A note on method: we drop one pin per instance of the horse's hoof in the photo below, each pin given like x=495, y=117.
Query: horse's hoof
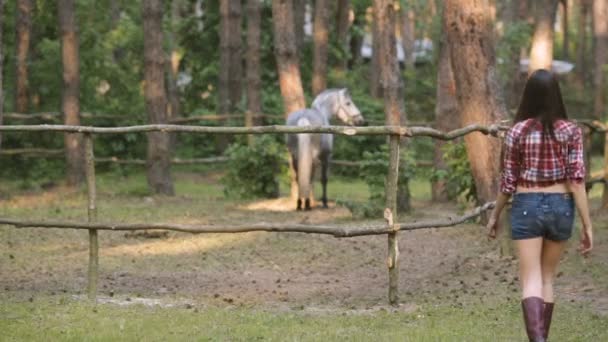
x=325, y=206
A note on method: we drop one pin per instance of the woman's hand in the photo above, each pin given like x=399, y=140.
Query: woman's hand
x=586, y=244
x=493, y=226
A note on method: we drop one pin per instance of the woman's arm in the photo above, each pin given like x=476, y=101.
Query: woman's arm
x=493, y=226
x=580, y=201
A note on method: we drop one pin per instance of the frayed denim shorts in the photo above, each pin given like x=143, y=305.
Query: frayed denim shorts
x=542, y=214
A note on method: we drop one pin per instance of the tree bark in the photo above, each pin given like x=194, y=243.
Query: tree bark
x=565, y=28
x=408, y=36
x=254, y=81
x=541, y=53
x=288, y=64
x=342, y=28
x=1, y=69
x=299, y=19
x=158, y=168
x=390, y=80
x=321, y=39
x=230, y=90
x=446, y=110
x=375, y=67
x=470, y=40
x=71, y=87
x=23, y=31
x=600, y=33
x=172, y=69
x=385, y=40
x=515, y=80
x=581, y=48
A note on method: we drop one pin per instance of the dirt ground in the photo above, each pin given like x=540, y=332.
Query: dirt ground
x=287, y=271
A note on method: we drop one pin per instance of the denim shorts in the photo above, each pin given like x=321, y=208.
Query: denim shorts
x=542, y=214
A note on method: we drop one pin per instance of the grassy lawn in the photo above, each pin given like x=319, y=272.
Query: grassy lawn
x=68, y=320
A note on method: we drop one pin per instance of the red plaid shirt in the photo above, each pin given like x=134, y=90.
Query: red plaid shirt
x=532, y=159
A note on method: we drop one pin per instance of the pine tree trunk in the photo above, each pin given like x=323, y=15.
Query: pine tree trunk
x=565, y=28
x=23, y=31
x=286, y=54
x=541, y=53
x=408, y=36
x=74, y=147
x=158, y=164
x=446, y=111
x=581, y=44
x=230, y=90
x=375, y=67
x=288, y=66
x=321, y=39
x=600, y=33
x=342, y=27
x=515, y=80
x=356, y=40
x=254, y=82
x=299, y=18
x=470, y=40
x=1, y=69
x=384, y=20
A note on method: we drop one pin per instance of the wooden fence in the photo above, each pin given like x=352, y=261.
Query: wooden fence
x=390, y=228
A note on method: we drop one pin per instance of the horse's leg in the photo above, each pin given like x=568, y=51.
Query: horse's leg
x=294, y=180
x=324, y=170
x=310, y=197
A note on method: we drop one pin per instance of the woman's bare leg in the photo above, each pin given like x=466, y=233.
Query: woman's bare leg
x=551, y=254
x=530, y=269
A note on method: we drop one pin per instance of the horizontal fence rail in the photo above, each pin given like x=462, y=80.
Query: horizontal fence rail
x=334, y=230
x=343, y=130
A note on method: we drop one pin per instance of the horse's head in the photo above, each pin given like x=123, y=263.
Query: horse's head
x=346, y=109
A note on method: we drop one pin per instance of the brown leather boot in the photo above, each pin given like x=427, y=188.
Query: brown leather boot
x=533, y=309
x=548, y=313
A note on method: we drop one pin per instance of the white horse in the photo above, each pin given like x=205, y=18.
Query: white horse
x=308, y=150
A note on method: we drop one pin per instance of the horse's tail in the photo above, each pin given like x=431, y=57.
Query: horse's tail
x=304, y=161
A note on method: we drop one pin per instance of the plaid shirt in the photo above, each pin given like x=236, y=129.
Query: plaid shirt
x=532, y=159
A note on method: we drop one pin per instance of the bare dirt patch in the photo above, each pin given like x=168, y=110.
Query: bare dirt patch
x=453, y=266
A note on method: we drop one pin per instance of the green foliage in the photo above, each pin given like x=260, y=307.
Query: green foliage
x=374, y=170
x=255, y=171
x=458, y=177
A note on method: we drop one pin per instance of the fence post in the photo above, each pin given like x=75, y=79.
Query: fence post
x=92, y=217
x=605, y=193
x=391, y=217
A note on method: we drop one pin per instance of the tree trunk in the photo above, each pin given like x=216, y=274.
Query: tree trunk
x=299, y=19
x=321, y=38
x=375, y=67
x=254, y=82
x=581, y=48
x=356, y=40
x=1, y=69
x=446, y=110
x=172, y=69
x=408, y=36
x=515, y=80
x=541, y=53
x=158, y=165
x=565, y=28
x=390, y=79
x=600, y=33
x=342, y=28
x=23, y=30
x=230, y=90
x=74, y=148
x=385, y=40
x=288, y=64
x=470, y=40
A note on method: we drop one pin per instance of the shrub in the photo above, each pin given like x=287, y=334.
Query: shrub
x=255, y=171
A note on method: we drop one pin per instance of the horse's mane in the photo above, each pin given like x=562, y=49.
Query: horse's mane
x=323, y=96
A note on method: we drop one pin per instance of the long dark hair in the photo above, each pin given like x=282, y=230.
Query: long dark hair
x=542, y=100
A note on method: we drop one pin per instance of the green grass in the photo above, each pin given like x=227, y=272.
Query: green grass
x=54, y=319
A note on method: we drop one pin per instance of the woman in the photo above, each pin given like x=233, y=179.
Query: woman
x=543, y=169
